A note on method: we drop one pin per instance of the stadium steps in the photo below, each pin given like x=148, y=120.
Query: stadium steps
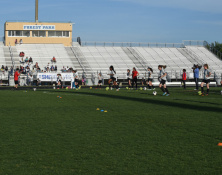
x=74, y=59
x=191, y=57
x=7, y=56
x=141, y=65
x=79, y=56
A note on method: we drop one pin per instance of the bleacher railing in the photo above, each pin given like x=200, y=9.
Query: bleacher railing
x=131, y=44
x=194, y=42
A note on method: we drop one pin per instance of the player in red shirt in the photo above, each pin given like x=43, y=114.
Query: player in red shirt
x=134, y=77
x=16, y=75
x=184, y=78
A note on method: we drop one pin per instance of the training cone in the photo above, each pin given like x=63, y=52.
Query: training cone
x=219, y=144
x=60, y=97
x=102, y=110
x=105, y=111
x=97, y=109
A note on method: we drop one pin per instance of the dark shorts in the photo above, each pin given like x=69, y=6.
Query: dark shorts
x=206, y=81
x=100, y=81
x=163, y=82
x=150, y=79
x=128, y=79
x=16, y=81
x=113, y=78
x=76, y=80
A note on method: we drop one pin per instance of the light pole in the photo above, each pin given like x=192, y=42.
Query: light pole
x=36, y=11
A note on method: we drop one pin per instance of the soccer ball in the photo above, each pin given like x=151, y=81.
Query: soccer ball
x=90, y=88
x=154, y=92
x=144, y=88
x=67, y=88
x=107, y=88
x=141, y=88
x=127, y=88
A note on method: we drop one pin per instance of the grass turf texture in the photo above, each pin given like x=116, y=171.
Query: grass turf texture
x=140, y=133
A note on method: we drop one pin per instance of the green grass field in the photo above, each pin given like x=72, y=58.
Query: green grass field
x=140, y=134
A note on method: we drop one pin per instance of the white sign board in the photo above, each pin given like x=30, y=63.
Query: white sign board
x=48, y=77
x=38, y=27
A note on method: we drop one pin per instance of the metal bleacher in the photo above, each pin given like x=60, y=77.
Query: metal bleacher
x=43, y=53
x=94, y=59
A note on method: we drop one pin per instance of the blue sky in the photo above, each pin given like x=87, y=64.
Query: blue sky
x=126, y=20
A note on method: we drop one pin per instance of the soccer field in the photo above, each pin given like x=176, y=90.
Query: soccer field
x=139, y=134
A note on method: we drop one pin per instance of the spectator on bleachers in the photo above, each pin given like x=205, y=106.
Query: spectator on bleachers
x=52, y=68
x=53, y=59
x=2, y=68
x=21, y=54
x=21, y=41
x=55, y=68
x=11, y=70
x=27, y=70
x=26, y=59
x=36, y=65
x=30, y=60
x=6, y=68
x=16, y=41
x=63, y=69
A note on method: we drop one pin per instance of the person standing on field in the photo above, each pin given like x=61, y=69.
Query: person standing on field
x=184, y=78
x=16, y=76
x=196, y=71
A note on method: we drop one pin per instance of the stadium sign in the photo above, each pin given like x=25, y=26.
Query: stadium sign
x=38, y=27
x=47, y=77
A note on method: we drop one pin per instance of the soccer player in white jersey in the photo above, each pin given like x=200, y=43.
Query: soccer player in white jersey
x=150, y=78
x=76, y=78
x=128, y=78
x=100, y=78
x=112, y=74
x=162, y=78
x=206, y=79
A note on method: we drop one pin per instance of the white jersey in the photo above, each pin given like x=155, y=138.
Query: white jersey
x=128, y=75
x=100, y=77
x=76, y=75
x=162, y=72
x=206, y=74
x=150, y=74
x=112, y=74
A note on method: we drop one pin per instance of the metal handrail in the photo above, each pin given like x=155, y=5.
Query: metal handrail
x=131, y=44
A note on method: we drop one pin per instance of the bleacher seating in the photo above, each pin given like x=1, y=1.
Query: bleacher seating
x=93, y=59
x=43, y=53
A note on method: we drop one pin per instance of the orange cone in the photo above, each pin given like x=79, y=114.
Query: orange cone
x=219, y=144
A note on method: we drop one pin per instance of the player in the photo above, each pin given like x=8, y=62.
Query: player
x=76, y=78
x=59, y=80
x=112, y=78
x=162, y=78
x=16, y=76
x=150, y=78
x=184, y=78
x=100, y=80
x=128, y=78
x=134, y=76
x=206, y=79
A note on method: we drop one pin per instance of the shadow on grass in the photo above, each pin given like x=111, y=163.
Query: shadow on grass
x=149, y=101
